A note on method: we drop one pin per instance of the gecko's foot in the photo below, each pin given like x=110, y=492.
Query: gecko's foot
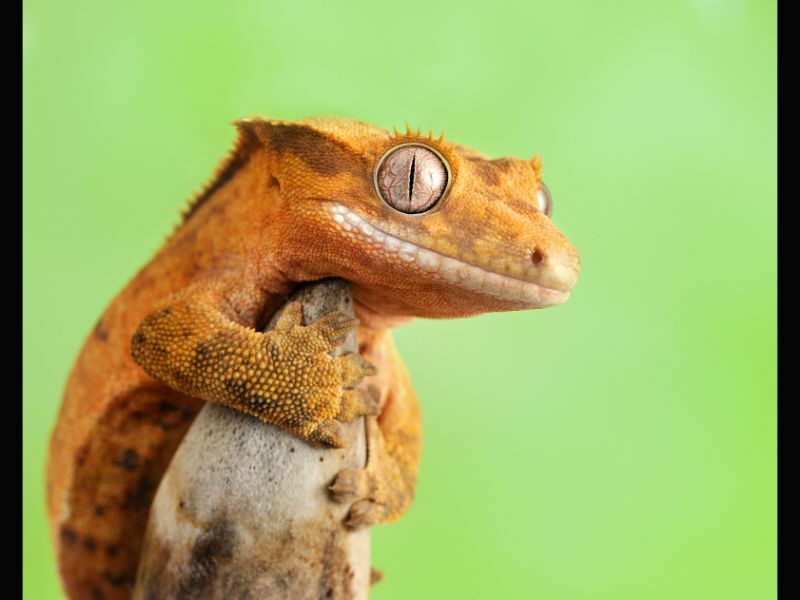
x=355, y=486
x=377, y=493
x=375, y=576
x=371, y=499
x=330, y=395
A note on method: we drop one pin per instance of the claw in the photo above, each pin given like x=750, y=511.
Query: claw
x=328, y=433
x=364, y=513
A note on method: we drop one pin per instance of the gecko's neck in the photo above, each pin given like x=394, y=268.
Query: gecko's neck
x=370, y=319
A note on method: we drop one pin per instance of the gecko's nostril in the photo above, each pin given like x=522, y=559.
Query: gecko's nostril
x=537, y=257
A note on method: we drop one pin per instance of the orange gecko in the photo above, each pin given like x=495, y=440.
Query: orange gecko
x=418, y=226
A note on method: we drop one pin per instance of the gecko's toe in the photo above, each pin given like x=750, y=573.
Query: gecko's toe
x=364, y=513
x=349, y=485
x=328, y=434
x=358, y=402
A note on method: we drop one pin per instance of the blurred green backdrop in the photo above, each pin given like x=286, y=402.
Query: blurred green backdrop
x=619, y=446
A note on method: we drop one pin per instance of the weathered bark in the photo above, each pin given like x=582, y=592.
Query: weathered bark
x=243, y=509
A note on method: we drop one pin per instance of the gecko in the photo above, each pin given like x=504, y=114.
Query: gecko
x=418, y=226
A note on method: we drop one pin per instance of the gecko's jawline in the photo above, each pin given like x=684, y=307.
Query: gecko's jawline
x=452, y=270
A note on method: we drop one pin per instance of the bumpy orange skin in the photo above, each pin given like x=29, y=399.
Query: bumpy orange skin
x=186, y=328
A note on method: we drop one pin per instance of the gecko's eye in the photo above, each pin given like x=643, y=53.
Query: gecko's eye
x=544, y=200
x=412, y=178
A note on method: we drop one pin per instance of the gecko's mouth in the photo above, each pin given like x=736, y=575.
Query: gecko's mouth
x=452, y=270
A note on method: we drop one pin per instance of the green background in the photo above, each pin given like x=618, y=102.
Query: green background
x=619, y=446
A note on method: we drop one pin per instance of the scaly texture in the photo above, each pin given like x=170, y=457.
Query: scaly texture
x=286, y=376
x=294, y=202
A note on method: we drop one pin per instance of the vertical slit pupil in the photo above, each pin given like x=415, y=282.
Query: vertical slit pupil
x=411, y=176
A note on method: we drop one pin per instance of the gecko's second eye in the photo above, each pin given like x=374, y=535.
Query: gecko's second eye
x=544, y=199
x=412, y=178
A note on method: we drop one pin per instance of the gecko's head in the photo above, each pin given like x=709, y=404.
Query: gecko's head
x=420, y=227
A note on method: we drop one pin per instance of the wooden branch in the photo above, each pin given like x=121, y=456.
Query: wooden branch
x=243, y=510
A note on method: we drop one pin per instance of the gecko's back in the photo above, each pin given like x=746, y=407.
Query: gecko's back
x=118, y=428
x=115, y=435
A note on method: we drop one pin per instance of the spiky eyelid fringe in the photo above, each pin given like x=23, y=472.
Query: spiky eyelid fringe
x=536, y=165
x=439, y=144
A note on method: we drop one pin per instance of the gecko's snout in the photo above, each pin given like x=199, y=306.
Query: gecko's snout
x=556, y=270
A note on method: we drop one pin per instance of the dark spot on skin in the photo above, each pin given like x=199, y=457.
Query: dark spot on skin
x=99, y=510
x=138, y=339
x=100, y=332
x=128, y=459
x=140, y=495
x=504, y=165
x=291, y=449
x=170, y=415
x=490, y=171
x=96, y=593
x=167, y=406
x=486, y=171
x=112, y=550
x=212, y=549
x=179, y=377
x=90, y=544
x=238, y=390
x=118, y=580
x=322, y=154
x=68, y=536
x=81, y=455
x=321, y=459
x=202, y=353
x=164, y=312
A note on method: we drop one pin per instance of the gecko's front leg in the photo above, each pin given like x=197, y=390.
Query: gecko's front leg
x=285, y=376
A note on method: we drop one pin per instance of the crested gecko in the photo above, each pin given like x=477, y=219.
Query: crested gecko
x=419, y=227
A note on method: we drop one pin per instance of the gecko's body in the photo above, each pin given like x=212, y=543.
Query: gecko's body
x=294, y=202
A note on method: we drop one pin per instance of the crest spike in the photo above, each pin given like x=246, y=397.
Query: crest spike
x=536, y=165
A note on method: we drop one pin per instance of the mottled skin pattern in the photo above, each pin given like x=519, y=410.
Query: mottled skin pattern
x=186, y=328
